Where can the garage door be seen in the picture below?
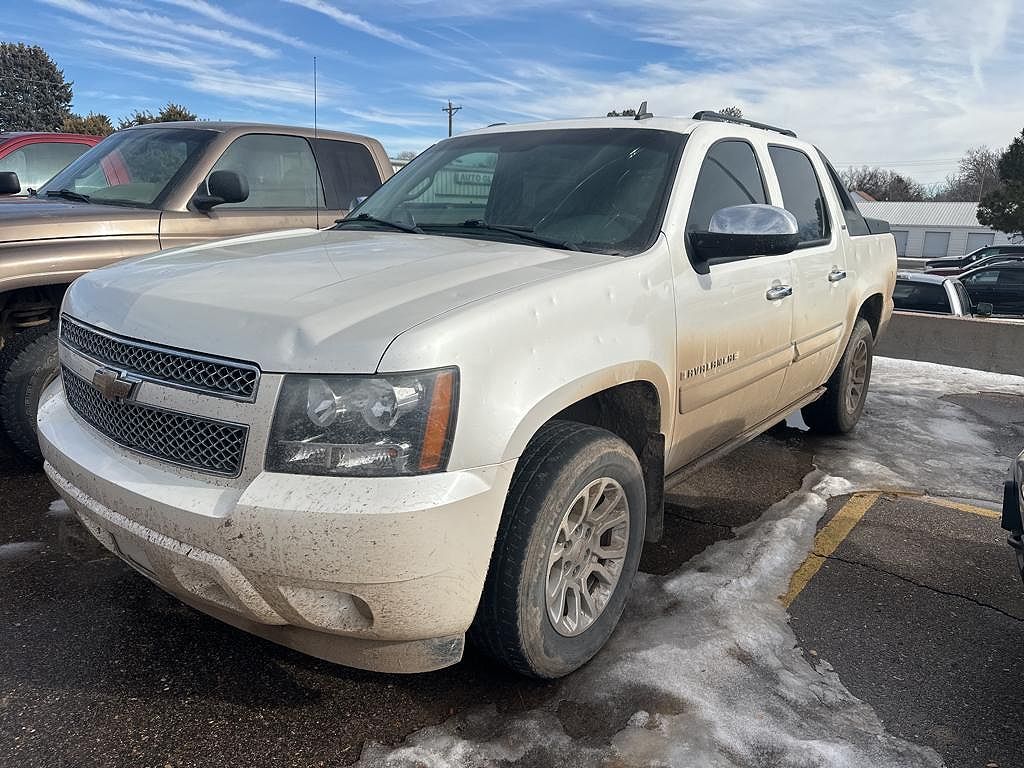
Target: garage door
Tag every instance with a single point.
(935, 244)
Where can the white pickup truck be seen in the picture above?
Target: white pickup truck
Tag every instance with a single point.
(454, 413)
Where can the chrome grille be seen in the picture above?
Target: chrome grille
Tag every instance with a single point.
(225, 378)
(191, 441)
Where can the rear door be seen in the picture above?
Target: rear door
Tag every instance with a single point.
(285, 192)
(820, 279)
(734, 323)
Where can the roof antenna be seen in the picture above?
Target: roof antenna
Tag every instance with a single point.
(316, 174)
(642, 113)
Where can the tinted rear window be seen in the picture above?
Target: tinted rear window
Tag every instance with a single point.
(921, 297)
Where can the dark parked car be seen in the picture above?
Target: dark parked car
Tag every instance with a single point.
(1013, 503)
(931, 294)
(36, 157)
(1000, 284)
(952, 265)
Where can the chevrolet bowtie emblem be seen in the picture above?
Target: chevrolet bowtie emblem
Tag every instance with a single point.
(113, 385)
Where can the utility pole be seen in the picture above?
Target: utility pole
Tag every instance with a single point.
(451, 113)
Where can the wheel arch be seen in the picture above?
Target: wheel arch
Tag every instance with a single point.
(871, 310)
(633, 403)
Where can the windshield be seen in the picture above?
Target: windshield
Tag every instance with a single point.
(601, 190)
(131, 168)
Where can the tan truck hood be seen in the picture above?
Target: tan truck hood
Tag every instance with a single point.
(26, 219)
(306, 301)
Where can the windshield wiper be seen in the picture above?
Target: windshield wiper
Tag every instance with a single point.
(68, 194)
(365, 218)
(523, 233)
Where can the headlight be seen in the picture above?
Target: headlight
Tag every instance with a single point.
(364, 426)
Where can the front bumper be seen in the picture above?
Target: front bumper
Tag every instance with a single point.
(381, 574)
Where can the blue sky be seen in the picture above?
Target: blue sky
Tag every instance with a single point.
(907, 85)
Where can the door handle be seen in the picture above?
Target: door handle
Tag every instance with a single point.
(777, 292)
(836, 275)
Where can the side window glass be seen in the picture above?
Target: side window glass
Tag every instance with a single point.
(729, 176)
(981, 279)
(36, 164)
(855, 223)
(280, 170)
(349, 170)
(801, 193)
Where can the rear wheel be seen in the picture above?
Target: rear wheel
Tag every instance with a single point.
(29, 365)
(840, 408)
(566, 553)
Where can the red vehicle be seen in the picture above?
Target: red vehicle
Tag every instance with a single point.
(37, 157)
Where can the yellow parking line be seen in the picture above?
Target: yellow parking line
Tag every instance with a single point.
(828, 540)
(960, 506)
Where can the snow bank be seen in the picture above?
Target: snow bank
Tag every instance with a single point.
(703, 671)
(911, 439)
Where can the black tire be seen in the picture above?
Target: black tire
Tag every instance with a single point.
(512, 624)
(839, 409)
(29, 365)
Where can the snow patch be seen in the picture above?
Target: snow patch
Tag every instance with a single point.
(938, 447)
(59, 509)
(19, 549)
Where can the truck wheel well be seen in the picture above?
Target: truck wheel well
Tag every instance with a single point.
(871, 310)
(29, 307)
(631, 411)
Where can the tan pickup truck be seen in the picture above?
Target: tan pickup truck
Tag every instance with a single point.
(151, 188)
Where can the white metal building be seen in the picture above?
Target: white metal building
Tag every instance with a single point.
(931, 230)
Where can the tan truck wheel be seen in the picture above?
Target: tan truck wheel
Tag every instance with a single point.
(31, 364)
(566, 552)
(839, 409)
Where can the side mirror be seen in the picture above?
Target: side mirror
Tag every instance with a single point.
(984, 309)
(9, 183)
(741, 231)
(222, 187)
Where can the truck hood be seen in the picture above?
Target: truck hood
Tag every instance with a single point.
(306, 301)
(30, 218)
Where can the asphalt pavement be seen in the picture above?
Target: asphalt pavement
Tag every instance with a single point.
(918, 609)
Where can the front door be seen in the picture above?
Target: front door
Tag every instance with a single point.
(285, 192)
(734, 323)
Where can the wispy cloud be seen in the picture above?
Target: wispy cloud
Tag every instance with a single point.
(218, 76)
(236, 21)
(359, 24)
(156, 26)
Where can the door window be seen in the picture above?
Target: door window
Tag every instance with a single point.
(36, 164)
(730, 175)
(280, 170)
(988, 277)
(801, 193)
(349, 170)
(936, 244)
(976, 240)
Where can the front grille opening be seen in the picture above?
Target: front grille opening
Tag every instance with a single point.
(190, 441)
(191, 371)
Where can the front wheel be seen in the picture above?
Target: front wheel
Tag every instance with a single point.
(30, 363)
(840, 408)
(566, 553)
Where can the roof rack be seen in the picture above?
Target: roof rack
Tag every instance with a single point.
(718, 117)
